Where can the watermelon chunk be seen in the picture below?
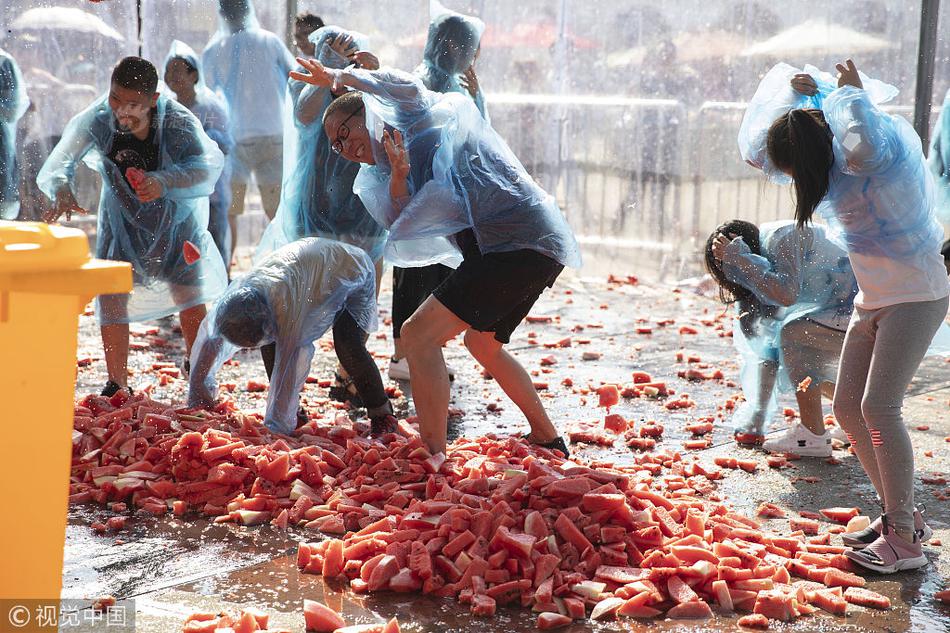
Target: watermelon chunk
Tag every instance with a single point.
(190, 253)
(754, 621)
(321, 618)
(866, 598)
(840, 515)
(548, 621)
(696, 609)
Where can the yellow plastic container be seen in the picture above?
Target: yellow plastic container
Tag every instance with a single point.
(46, 279)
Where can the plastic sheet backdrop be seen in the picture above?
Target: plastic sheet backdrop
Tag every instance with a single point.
(212, 112)
(13, 103)
(799, 274)
(880, 199)
(151, 236)
(317, 197)
(295, 295)
(462, 175)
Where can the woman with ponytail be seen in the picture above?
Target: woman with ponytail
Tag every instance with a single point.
(864, 172)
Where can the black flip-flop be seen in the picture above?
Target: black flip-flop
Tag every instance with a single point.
(555, 444)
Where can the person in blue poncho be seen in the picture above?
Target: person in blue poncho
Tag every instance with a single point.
(939, 161)
(288, 301)
(13, 104)
(304, 25)
(248, 66)
(448, 188)
(794, 293)
(183, 76)
(317, 197)
(864, 172)
(448, 65)
(158, 168)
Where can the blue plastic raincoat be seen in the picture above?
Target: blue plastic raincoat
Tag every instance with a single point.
(13, 104)
(801, 273)
(212, 112)
(939, 161)
(151, 236)
(450, 51)
(880, 196)
(298, 292)
(317, 197)
(248, 66)
(462, 175)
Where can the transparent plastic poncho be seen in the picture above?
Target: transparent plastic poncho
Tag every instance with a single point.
(880, 196)
(450, 51)
(462, 175)
(939, 161)
(212, 112)
(302, 287)
(248, 66)
(150, 235)
(800, 273)
(317, 197)
(13, 104)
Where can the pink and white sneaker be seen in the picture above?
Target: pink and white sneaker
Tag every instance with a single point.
(862, 538)
(890, 553)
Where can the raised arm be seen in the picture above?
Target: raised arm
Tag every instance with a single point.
(777, 284)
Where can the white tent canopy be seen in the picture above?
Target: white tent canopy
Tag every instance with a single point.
(817, 37)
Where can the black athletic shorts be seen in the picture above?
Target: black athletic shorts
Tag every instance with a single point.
(496, 291)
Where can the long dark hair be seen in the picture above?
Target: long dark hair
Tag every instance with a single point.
(800, 143)
(729, 291)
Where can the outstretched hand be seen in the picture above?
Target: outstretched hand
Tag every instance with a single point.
(804, 84)
(848, 75)
(396, 152)
(365, 59)
(316, 73)
(65, 204)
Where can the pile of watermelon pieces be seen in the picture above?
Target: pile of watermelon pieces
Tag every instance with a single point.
(495, 522)
(318, 618)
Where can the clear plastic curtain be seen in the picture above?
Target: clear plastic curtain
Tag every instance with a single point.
(65, 50)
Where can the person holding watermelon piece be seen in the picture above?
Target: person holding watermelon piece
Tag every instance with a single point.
(794, 293)
(158, 168)
(289, 300)
(864, 171)
(449, 188)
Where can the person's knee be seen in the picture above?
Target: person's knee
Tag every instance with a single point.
(846, 410)
(414, 334)
(878, 410)
(481, 344)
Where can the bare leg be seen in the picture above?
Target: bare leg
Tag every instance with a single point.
(115, 343)
(809, 406)
(514, 380)
(190, 322)
(238, 191)
(270, 199)
(422, 338)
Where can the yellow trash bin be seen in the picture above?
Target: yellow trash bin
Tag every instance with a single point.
(46, 279)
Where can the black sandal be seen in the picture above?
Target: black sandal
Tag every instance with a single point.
(341, 392)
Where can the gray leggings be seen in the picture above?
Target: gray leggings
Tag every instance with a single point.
(881, 353)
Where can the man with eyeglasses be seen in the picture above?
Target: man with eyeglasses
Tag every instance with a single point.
(446, 184)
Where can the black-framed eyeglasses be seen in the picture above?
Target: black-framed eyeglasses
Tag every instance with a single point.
(343, 132)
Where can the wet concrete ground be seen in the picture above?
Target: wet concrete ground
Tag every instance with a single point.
(173, 567)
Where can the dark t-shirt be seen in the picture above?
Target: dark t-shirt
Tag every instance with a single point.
(128, 151)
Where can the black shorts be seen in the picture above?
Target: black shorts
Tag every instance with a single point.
(496, 291)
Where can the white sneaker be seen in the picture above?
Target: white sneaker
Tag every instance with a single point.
(399, 369)
(837, 433)
(799, 440)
